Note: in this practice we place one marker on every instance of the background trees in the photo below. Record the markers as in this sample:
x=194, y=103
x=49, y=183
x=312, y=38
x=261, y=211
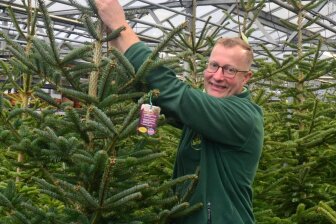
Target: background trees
x=81, y=160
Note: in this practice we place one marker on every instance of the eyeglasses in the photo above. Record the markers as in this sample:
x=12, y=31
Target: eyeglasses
x=228, y=70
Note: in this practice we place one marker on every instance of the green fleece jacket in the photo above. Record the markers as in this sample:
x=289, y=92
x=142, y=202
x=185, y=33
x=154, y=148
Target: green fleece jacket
x=223, y=136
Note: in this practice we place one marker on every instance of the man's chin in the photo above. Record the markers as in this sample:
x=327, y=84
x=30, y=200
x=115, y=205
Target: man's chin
x=216, y=94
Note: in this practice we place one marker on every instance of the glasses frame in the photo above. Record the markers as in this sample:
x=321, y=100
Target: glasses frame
x=224, y=69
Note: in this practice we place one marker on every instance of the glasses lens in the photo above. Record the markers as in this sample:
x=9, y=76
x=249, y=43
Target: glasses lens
x=212, y=67
x=230, y=71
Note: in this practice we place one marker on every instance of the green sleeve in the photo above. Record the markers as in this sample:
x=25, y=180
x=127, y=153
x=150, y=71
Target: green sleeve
x=227, y=120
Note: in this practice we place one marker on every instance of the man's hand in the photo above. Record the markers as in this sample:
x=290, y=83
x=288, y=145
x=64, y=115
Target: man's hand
x=113, y=15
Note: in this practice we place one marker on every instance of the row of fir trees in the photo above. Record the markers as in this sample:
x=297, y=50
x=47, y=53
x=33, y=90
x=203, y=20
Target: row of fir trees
x=82, y=160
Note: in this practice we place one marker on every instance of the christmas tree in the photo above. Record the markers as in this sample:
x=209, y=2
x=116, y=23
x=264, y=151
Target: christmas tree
x=80, y=159
x=296, y=178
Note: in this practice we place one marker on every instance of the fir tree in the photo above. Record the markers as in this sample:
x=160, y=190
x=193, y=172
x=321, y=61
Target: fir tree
x=296, y=175
x=87, y=161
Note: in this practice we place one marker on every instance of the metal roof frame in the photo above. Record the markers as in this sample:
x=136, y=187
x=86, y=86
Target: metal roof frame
x=270, y=31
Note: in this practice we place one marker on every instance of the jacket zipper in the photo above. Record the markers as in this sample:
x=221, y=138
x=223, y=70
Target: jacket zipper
x=209, y=212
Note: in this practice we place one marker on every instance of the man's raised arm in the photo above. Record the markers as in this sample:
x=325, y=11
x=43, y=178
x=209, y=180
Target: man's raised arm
x=113, y=15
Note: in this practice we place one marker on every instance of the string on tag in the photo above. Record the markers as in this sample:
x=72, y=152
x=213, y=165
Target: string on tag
x=150, y=99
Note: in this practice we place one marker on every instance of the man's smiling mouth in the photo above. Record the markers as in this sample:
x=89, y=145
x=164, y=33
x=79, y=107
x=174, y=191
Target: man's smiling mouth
x=217, y=86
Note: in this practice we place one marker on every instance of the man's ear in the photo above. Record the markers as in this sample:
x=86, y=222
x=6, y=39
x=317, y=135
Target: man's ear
x=247, y=77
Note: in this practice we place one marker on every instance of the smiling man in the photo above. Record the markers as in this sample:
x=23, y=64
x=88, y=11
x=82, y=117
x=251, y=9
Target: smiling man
x=222, y=128
x=228, y=69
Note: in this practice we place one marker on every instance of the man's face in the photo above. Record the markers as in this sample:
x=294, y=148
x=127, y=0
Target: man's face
x=220, y=85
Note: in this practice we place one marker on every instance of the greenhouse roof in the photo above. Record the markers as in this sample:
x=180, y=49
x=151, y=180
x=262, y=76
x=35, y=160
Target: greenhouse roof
x=150, y=18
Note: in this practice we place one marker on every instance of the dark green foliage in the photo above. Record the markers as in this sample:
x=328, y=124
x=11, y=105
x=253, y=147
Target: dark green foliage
x=296, y=176
x=88, y=164
x=82, y=163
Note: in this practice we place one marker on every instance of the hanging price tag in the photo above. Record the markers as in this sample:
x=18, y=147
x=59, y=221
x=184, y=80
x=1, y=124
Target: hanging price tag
x=149, y=116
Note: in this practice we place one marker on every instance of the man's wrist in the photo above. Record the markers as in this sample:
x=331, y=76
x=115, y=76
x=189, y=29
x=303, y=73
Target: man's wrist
x=126, y=39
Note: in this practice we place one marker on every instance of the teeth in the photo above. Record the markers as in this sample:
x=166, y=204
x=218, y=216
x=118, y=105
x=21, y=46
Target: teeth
x=218, y=86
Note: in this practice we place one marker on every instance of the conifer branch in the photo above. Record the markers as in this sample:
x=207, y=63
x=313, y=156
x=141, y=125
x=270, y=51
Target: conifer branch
x=36, y=211
x=97, y=127
x=91, y=201
x=47, y=98
x=165, y=41
x=312, y=37
x=143, y=70
x=78, y=74
x=33, y=23
x=312, y=5
x=179, y=208
x=76, y=157
x=327, y=211
x=13, y=44
x=163, y=216
x=289, y=25
x=165, y=201
x=81, y=8
x=16, y=23
x=78, y=95
x=312, y=119
x=48, y=134
x=1, y=103
x=69, y=192
x=19, y=111
x=260, y=5
x=106, y=80
x=126, y=199
x=315, y=60
x=129, y=129
x=187, y=210
x=99, y=160
x=311, y=22
x=76, y=54
x=93, y=7
x=191, y=188
x=114, y=34
x=182, y=42
x=22, y=58
x=115, y=98
x=21, y=217
x=106, y=179
x=10, y=126
x=203, y=33
x=109, y=202
x=5, y=202
x=18, y=65
x=5, y=70
x=97, y=58
x=104, y=119
x=124, y=62
x=176, y=181
x=50, y=30
x=83, y=66
x=258, y=97
x=255, y=11
x=91, y=27
x=75, y=118
x=165, y=62
x=45, y=51
x=48, y=188
x=269, y=54
x=297, y=5
x=132, y=161
x=130, y=116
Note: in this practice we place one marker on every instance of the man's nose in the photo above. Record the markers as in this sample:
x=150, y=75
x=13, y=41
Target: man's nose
x=218, y=75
